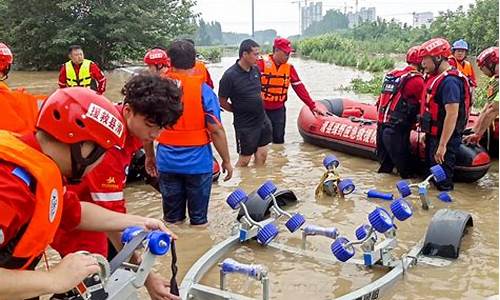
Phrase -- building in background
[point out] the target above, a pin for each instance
(423, 18)
(311, 13)
(365, 14)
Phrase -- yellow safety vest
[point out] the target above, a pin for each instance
(83, 79)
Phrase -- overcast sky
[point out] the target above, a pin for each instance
(283, 15)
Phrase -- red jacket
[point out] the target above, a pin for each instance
(103, 186)
(95, 73)
(297, 86)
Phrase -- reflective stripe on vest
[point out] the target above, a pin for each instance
(275, 81)
(83, 79)
(387, 101)
(47, 212)
(431, 106)
(190, 129)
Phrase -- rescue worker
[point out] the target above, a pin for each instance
(398, 107)
(444, 108)
(201, 68)
(151, 103)
(276, 76)
(79, 71)
(459, 51)
(74, 128)
(157, 61)
(184, 154)
(487, 61)
(19, 108)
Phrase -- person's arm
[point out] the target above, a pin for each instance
(96, 218)
(489, 115)
(302, 93)
(209, 81)
(150, 161)
(62, 77)
(99, 77)
(225, 104)
(449, 124)
(22, 284)
(225, 87)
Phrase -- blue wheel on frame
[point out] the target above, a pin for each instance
(438, 173)
(267, 234)
(403, 188)
(346, 186)
(401, 209)
(129, 233)
(159, 242)
(236, 197)
(295, 222)
(266, 189)
(341, 251)
(331, 160)
(380, 220)
(362, 231)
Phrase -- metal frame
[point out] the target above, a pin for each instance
(190, 287)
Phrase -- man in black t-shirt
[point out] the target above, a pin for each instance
(241, 84)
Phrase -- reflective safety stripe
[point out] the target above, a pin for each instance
(116, 196)
(297, 83)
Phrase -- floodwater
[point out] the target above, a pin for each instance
(298, 166)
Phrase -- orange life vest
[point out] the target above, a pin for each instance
(190, 129)
(275, 81)
(429, 108)
(466, 68)
(19, 110)
(201, 69)
(46, 217)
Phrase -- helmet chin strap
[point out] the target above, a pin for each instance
(5, 74)
(79, 163)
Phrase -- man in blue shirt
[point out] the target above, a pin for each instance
(445, 108)
(184, 154)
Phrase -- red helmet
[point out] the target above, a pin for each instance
(78, 114)
(156, 57)
(488, 56)
(413, 55)
(435, 47)
(6, 57)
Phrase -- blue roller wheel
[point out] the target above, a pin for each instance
(346, 186)
(295, 222)
(236, 197)
(438, 173)
(159, 242)
(403, 188)
(362, 231)
(129, 233)
(445, 197)
(401, 209)
(380, 220)
(266, 189)
(340, 250)
(330, 160)
(267, 234)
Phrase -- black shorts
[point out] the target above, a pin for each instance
(250, 138)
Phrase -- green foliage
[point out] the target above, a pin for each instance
(212, 54)
(209, 33)
(371, 86)
(110, 31)
(333, 48)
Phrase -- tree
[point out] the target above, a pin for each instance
(109, 30)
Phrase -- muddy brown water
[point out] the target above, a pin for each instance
(297, 166)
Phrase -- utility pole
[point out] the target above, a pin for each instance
(253, 20)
